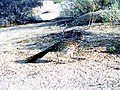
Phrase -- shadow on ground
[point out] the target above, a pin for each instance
(38, 61)
(93, 40)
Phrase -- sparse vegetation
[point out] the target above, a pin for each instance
(96, 11)
(110, 9)
(81, 7)
(16, 11)
(112, 49)
(57, 1)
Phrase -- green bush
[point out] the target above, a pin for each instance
(57, 1)
(17, 11)
(112, 49)
(110, 9)
(80, 7)
(111, 15)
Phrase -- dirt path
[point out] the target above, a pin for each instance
(98, 71)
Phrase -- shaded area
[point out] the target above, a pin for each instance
(40, 42)
(93, 40)
(104, 42)
(17, 11)
(101, 16)
(38, 61)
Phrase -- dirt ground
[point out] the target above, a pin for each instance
(98, 70)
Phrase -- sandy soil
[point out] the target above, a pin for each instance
(99, 71)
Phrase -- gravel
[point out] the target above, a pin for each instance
(99, 71)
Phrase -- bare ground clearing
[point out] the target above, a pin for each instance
(99, 70)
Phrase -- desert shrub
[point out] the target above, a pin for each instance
(17, 11)
(81, 7)
(111, 49)
(75, 7)
(57, 1)
(111, 15)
